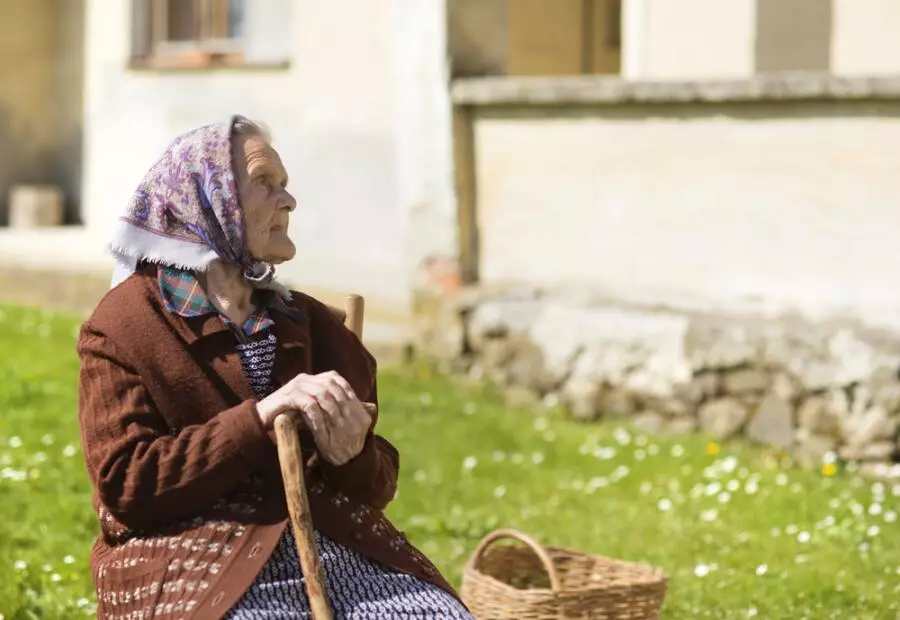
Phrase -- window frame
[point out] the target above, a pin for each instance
(152, 48)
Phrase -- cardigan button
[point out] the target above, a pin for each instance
(254, 550)
(217, 599)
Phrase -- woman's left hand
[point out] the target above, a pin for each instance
(338, 421)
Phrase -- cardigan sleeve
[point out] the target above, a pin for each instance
(144, 474)
(371, 476)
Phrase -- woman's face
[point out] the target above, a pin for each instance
(262, 185)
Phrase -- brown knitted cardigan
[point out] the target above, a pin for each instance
(186, 481)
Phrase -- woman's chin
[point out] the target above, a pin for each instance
(281, 252)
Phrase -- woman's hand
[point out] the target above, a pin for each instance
(330, 408)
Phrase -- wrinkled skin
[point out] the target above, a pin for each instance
(265, 200)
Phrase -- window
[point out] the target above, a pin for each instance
(535, 37)
(189, 33)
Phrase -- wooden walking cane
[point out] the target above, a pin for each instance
(288, 440)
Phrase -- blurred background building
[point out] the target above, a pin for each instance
(708, 153)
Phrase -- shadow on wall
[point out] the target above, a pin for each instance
(68, 170)
(23, 163)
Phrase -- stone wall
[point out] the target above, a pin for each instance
(813, 389)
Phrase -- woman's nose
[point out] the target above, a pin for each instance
(289, 202)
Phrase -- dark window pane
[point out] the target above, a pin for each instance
(182, 20)
(235, 19)
(614, 24)
(141, 20)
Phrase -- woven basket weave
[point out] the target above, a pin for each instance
(537, 583)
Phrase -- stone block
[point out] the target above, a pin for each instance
(35, 206)
(723, 418)
(785, 387)
(879, 451)
(746, 381)
(616, 402)
(680, 427)
(817, 416)
(702, 387)
(871, 426)
(773, 423)
(649, 422)
(582, 396)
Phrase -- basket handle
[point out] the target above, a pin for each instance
(529, 542)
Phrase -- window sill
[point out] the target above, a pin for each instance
(606, 90)
(183, 65)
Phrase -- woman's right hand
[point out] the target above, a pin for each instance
(330, 409)
(307, 394)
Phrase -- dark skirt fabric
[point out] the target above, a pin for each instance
(357, 589)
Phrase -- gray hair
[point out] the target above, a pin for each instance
(243, 126)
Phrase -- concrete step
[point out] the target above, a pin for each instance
(67, 268)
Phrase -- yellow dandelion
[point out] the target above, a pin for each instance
(712, 448)
(829, 470)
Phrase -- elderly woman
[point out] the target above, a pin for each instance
(184, 366)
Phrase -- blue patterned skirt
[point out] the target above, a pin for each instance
(358, 589)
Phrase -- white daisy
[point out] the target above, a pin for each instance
(709, 515)
(702, 570)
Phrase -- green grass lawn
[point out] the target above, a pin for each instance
(739, 533)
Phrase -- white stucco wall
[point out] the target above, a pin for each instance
(714, 207)
(424, 130)
(866, 39)
(688, 39)
(358, 165)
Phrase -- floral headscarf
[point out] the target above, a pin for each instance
(186, 213)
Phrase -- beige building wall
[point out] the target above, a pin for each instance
(688, 39)
(364, 81)
(28, 94)
(866, 37)
(757, 207)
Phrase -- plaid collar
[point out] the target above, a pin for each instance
(183, 295)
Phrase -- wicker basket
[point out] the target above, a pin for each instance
(537, 583)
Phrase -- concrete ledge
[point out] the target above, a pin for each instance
(68, 268)
(600, 90)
